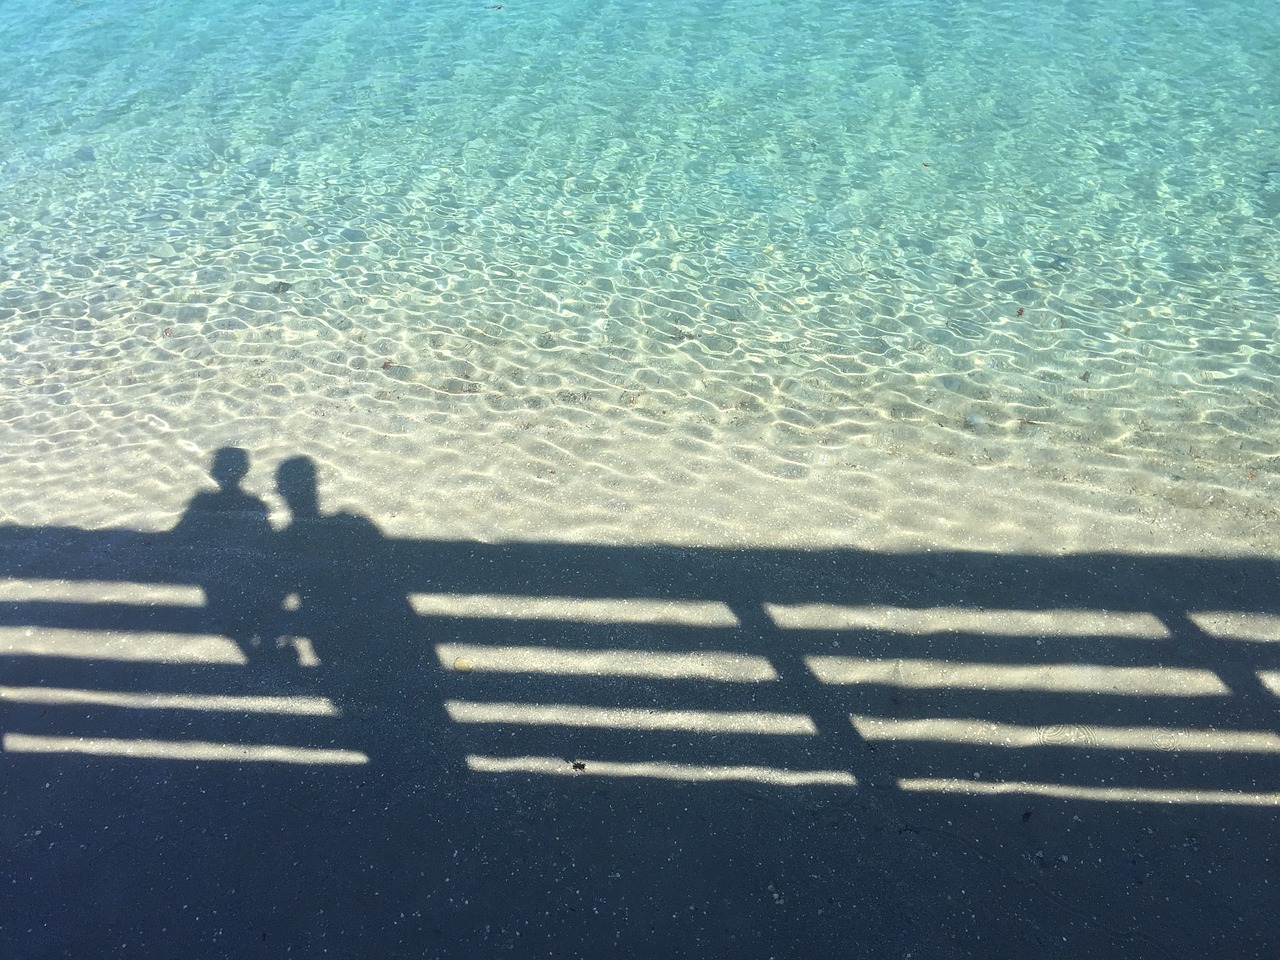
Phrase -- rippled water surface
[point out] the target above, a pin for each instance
(668, 272)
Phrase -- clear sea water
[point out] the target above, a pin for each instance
(1023, 234)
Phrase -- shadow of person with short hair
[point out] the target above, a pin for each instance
(350, 609)
(229, 530)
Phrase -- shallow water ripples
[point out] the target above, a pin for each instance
(539, 297)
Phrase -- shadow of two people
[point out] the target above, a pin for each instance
(316, 591)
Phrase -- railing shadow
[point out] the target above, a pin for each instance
(226, 739)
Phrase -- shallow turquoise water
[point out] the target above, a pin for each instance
(803, 221)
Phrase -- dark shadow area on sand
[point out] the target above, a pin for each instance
(349, 745)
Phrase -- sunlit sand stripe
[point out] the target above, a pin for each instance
(556, 766)
(933, 620)
(1271, 680)
(179, 750)
(723, 667)
(133, 647)
(1054, 678)
(629, 718)
(100, 591)
(1103, 794)
(1250, 627)
(211, 703)
(681, 613)
(988, 734)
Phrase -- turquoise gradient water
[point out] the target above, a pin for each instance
(1053, 227)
